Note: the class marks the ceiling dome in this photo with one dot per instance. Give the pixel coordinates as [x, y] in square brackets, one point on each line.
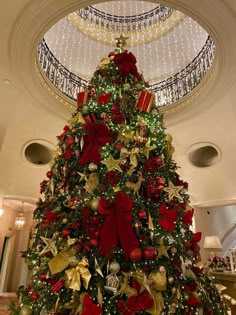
[173, 51]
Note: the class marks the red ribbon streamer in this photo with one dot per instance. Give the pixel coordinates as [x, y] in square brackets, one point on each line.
[117, 225]
[98, 135]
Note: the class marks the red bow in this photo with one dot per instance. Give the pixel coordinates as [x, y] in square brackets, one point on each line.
[98, 135]
[167, 218]
[104, 98]
[90, 307]
[127, 63]
[187, 217]
[134, 304]
[117, 225]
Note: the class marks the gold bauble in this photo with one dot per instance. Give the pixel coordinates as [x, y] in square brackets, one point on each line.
[186, 296]
[26, 310]
[173, 290]
[171, 280]
[93, 204]
[173, 250]
[64, 220]
[114, 267]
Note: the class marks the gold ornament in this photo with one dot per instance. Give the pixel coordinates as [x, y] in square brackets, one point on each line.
[112, 283]
[78, 118]
[135, 186]
[170, 148]
[93, 203]
[61, 261]
[162, 249]
[171, 280]
[80, 272]
[121, 41]
[25, 310]
[125, 288]
[50, 246]
[141, 277]
[126, 136]
[148, 148]
[132, 154]
[173, 250]
[98, 268]
[92, 182]
[82, 177]
[113, 164]
[173, 191]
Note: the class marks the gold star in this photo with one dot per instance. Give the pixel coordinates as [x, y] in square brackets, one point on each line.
[50, 246]
[126, 137]
[82, 177]
[173, 191]
[121, 41]
[162, 249]
[113, 164]
[148, 148]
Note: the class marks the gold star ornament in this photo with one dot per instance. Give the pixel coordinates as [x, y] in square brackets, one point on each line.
[50, 246]
[121, 41]
[173, 191]
[113, 164]
[148, 148]
[162, 249]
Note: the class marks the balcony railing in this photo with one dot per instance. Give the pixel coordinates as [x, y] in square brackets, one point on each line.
[166, 92]
[125, 24]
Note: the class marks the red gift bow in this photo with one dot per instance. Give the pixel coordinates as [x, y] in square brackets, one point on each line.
[127, 63]
[135, 303]
[167, 218]
[117, 225]
[90, 307]
[104, 98]
[98, 136]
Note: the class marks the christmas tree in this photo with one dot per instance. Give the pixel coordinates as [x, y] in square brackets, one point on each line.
[113, 226]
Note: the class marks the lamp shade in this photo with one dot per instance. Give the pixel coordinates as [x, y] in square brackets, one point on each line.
[212, 244]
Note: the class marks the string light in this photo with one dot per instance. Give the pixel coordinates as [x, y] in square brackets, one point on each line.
[178, 41]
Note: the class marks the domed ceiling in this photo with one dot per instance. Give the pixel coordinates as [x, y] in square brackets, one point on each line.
[163, 40]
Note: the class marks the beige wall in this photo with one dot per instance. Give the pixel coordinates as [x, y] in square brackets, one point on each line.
[15, 274]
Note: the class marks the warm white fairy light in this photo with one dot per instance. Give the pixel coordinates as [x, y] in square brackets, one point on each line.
[157, 59]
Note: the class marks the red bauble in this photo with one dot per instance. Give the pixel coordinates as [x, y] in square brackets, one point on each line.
[73, 173]
[69, 141]
[43, 276]
[150, 253]
[136, 254]
[142, 214]
[49, 174]
[93, 242]
[35, 296]
[65, 233]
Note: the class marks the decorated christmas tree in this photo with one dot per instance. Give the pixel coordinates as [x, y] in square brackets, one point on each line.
[113, 226]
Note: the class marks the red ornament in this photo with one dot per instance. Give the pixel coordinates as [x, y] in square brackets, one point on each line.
[69, 141]
[94, 242]
[49, 174]
[145, 101]
[142, 214]
[35, 296]
[43, 276]
[66, 233]
[136, 254]
[150, 253]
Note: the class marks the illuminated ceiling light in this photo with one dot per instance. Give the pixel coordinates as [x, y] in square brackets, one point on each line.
[20, 219]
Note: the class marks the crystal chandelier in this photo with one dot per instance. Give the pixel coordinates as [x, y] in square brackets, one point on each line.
[20, 219]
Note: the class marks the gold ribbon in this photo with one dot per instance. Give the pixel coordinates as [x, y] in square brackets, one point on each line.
[61, 261]
[132, 155]
[79, 272]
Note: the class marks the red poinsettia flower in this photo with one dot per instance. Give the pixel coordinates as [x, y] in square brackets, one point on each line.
[67, 154]
[167, 218]
[127, 64]
[187, 217]
[193, 301]
[104, 98]
[90, 308]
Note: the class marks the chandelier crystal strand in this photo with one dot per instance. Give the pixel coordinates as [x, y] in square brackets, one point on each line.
[20, 219]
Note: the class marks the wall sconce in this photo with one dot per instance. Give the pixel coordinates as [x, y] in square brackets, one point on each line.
[1, 213]
[20, 219]
[212, 244]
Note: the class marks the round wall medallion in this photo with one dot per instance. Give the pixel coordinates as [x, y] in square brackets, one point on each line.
[38, 152]
[204, 154]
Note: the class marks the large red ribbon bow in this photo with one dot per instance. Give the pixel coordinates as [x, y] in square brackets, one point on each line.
[90, 307]
[117, 225]
[98, 135]
[127, 63]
